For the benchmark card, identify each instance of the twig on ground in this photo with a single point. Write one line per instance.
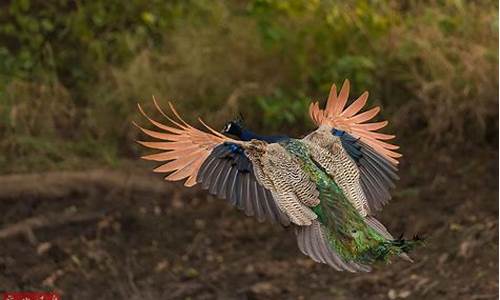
(51, 220)
(62, 184)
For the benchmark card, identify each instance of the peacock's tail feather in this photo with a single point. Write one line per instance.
(352, 237)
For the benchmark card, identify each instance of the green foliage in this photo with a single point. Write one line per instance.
(325, 39)
(280, 110)
(73, 41)
(71, 72)
(448, 57)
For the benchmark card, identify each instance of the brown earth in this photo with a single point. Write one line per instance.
(128, 235)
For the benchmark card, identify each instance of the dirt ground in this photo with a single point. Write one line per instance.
(125, 234)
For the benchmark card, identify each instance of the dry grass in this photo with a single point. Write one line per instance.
(451, 65)
(38, 109)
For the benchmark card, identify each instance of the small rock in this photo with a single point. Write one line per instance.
(43, 248)
(160, 266)
(76, 260)
(306, 263)
(200, 224)
(455, 227)
(191, 273)
(392, 294)
(250, 269)
(50, 281)
(443, 258)
(465, 249)
(177, 202)
(404, 294)
(264, 288)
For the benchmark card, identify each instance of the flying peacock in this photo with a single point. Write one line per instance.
(326, 185)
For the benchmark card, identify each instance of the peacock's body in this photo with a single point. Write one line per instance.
(326, 185)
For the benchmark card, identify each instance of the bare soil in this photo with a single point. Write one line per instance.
(126, 234)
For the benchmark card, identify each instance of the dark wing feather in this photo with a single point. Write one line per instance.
(213, 160)
(377, 173)
(228, 174)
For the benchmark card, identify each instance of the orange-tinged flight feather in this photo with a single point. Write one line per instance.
(350, 120)
(186, 147)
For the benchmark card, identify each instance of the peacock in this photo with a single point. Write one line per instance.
(326, 185)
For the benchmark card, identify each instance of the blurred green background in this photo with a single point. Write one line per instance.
(71, 72)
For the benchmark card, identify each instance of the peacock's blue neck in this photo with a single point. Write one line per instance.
(247, 135)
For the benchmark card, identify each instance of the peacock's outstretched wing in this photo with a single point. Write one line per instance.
(348, 119)
(212, 160)
(376, 159)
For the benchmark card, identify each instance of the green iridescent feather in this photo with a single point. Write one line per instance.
(347, 231)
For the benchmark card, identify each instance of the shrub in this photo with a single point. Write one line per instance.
(71, 73)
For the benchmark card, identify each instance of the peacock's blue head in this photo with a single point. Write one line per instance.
(233, 127)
